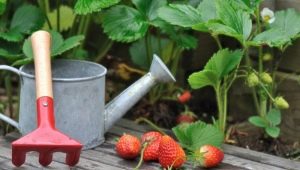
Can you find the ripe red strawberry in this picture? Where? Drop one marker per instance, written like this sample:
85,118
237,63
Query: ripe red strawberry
128,146
209,156
186,117
170,153
151,151
184,97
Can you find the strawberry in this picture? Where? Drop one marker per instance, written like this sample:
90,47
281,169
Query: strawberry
151,150
186,117
128,146
170,153
209,156
184,97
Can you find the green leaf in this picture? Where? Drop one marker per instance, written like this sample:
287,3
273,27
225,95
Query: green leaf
288,21
138,51
224,61
84,7
12,35
185,41
274,116
273,37
181,15
58,44
258,121
23,62
2,6
27,19
246,5
203,134
203,78
68,44
10,51
236,19
182,39
283,30
207,9
149,8
124,24
66,19
273,131
180,133
193,136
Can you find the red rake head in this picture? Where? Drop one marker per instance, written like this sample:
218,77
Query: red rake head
46,139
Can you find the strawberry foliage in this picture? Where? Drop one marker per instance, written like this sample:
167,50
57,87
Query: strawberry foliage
193,136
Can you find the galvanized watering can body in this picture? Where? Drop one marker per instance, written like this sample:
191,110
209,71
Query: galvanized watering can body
79,92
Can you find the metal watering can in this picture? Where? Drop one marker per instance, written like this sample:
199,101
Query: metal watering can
79,91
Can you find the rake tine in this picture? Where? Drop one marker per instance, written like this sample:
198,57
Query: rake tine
72,158
18,157
45,158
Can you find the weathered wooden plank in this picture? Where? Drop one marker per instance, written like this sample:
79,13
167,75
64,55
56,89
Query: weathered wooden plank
113,159
248,164
59,158
5,164
261,157
86,163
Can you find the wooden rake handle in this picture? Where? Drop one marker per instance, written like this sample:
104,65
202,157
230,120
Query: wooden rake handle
41,43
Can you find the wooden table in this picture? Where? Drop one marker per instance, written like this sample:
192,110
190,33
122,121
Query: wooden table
104,157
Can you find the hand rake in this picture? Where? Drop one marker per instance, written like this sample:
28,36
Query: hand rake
46,139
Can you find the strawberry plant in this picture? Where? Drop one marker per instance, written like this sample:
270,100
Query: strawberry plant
235,19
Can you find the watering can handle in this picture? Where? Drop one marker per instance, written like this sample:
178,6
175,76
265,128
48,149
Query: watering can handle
3,116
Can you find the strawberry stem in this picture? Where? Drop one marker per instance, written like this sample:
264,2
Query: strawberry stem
142,155
154,126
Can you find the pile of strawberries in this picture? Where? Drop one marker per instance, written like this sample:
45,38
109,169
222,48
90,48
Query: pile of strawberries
165,150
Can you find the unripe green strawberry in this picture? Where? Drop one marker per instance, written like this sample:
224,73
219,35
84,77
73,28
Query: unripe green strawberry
266,78
128,146
252,80
208,156
170,153
151,150
267,57
281,103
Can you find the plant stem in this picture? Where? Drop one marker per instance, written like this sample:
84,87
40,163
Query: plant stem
148,46
154,126
44,5
262,99
224,108
58,15
216,37
104,49
220,106
175,58
142,156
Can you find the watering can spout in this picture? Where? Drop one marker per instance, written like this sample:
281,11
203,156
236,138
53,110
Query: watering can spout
115,109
